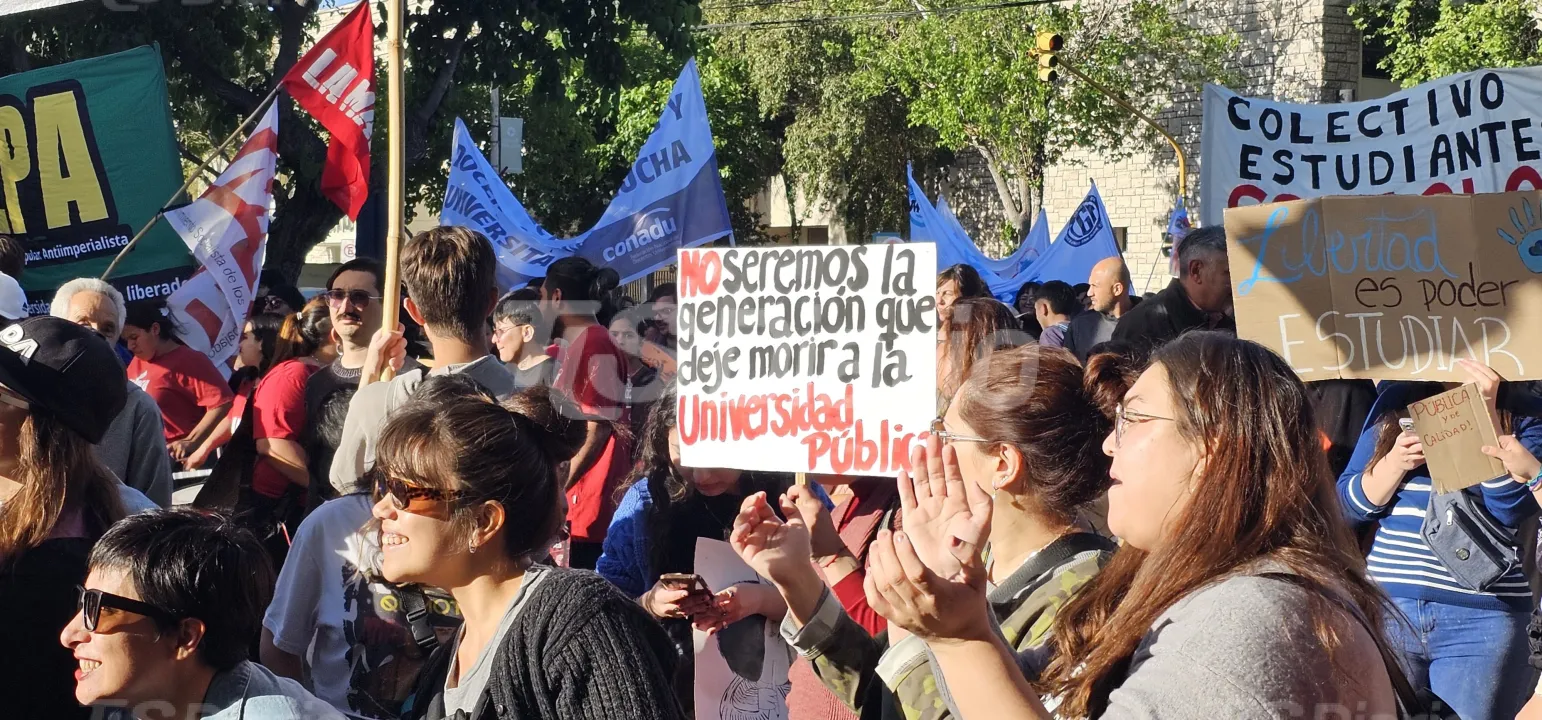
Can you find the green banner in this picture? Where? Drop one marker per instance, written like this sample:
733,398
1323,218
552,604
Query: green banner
87,156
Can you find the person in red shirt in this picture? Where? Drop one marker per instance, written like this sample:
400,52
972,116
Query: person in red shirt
281,474
193,394
592,371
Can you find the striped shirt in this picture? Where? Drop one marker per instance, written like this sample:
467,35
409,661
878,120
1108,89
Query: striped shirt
1400,560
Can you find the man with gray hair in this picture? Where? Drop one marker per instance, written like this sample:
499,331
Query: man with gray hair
1198,299
134,447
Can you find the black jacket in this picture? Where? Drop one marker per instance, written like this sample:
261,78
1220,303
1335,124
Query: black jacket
1161,319
579,650
37,599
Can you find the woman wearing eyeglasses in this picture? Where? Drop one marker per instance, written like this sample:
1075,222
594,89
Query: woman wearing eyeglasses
468,500
1238,591
254,357
193,395
165,619
60,387
1026,429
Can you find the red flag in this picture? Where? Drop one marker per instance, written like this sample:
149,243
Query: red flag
335,83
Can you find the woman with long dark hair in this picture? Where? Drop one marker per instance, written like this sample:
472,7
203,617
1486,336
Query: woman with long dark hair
468,498
56,499
665,509
193,395
1238,591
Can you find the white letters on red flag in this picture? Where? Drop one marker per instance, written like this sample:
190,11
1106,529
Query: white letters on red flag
226,229
335,83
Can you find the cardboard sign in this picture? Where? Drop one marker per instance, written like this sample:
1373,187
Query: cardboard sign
806,359
1466,133
1454,426
1392,287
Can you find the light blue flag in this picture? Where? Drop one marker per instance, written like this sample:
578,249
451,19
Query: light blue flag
1086,239
672,198
937,224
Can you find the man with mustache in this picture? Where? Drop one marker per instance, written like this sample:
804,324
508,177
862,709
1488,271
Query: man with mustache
354,295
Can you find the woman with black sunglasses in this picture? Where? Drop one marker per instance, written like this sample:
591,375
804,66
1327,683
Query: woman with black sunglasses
468,501
164,622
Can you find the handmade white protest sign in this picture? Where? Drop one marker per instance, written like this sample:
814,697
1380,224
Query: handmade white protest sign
806,359
1453,427
1392,287
1470,133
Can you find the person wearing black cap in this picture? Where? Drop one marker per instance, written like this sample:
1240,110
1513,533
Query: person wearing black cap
60,387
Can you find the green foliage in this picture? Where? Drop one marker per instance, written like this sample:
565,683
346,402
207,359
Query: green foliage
865,96
1428,39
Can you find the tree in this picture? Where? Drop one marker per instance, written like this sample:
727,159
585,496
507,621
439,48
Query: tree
973,78
223,58
871,85
1426,39
843,142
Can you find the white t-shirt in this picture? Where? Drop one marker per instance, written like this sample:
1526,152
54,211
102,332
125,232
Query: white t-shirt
351,632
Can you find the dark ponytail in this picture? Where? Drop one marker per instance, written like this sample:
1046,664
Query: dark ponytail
146,314
581,282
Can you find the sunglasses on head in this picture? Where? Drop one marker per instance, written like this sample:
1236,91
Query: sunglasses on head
91,602
360,298
412,498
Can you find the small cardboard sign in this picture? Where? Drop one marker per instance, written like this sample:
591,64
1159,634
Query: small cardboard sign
1454,426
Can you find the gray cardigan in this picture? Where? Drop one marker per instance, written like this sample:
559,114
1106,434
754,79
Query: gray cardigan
1241,649
134,447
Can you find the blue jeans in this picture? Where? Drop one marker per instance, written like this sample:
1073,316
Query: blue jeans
1474,660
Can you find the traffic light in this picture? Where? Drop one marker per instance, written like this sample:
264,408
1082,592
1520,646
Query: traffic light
1049,43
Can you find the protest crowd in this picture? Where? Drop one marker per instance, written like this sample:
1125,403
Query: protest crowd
492,476
1121,510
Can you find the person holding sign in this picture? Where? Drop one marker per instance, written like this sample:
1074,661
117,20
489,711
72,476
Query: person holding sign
650,547
1235,594
1024,431
1463,640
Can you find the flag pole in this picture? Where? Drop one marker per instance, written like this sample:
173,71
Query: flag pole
218,152
395,180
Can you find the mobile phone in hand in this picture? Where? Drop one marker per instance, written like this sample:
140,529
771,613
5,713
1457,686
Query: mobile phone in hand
685,581
1406,423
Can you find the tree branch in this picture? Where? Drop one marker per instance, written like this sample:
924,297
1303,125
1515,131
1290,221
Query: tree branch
430,105
1009,206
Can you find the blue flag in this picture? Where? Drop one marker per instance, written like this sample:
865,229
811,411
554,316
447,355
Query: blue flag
1086,239
937,224
672,198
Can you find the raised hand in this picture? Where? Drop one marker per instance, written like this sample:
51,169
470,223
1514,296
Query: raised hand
776,550
1518,461
824,539
901,587
946,519
1487,381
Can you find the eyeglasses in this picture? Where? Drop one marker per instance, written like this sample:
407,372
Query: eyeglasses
1124,416
942,433
411,498
360,298
268,303
90,603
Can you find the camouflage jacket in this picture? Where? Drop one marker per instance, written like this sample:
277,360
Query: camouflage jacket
878,681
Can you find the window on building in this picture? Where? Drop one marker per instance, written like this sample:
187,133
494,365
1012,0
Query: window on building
1121,237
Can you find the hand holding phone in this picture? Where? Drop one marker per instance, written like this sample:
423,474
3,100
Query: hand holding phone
678,595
